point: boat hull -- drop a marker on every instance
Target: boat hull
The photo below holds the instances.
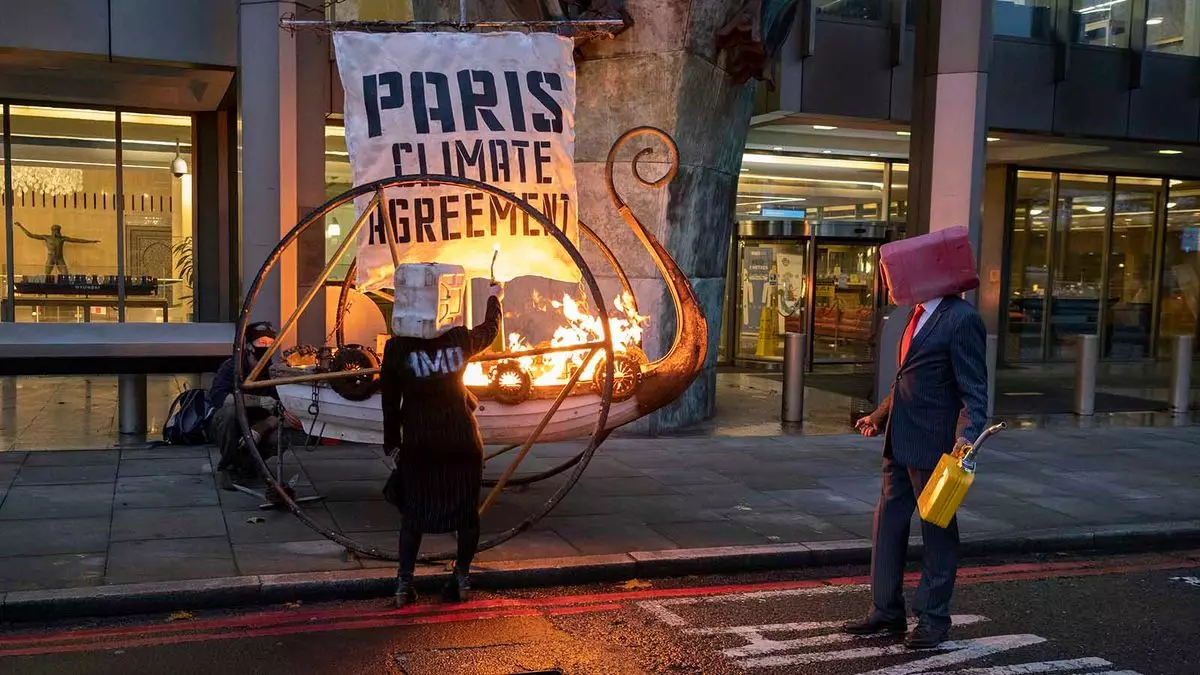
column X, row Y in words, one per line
column 362, row 421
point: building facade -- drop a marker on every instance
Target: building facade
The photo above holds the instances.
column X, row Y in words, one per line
column 153, row 154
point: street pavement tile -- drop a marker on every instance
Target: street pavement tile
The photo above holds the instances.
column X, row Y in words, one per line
column 649, row 509
column 35, row 573
column 530, row 545
column 12, row 457
column 608, row 467
column 1088, row 511
column 171, row 523
column 67, row 475
column 338, row 452
column 168, row 452
column 864, row 488
column 675, row 476
column 345, row 469
column 620, row 487
column 292, row 556
column 777, row 476
column 165, row 491
column 180, row 466
column 706, row 534
column 390, row 542
column 607, row 534
column 8, row 473
column 791, row 526
column 57, row 501
column 244, row 527
column 364, row 516
column 1026, row 516
column 821, row 502
column 1175, row 507
column 169, row 559
column 72, row 457
column 727, row 496
column 971, row 521
column 651, row 457
column 350, row 490
column 53, row 537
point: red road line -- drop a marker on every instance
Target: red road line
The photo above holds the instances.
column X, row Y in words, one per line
column 325, row 620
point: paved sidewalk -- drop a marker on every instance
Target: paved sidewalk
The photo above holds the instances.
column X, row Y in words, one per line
column 82, row 519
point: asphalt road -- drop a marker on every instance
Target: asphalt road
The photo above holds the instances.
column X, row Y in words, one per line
column 1079, row 616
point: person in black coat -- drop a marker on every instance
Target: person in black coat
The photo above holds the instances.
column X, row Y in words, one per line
column 236, row 465
column 429, row 421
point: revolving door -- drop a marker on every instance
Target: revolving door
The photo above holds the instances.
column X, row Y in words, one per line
column 818, row 278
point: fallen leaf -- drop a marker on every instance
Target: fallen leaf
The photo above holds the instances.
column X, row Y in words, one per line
column 773, row 538
column 255, row 520
column 293, row 605
column 635, row 584
column 180, row 616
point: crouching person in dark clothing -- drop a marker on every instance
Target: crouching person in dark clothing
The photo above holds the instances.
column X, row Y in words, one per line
column 237, row 465
column 429, row 418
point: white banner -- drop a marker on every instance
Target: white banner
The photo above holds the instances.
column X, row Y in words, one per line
column 496, row 108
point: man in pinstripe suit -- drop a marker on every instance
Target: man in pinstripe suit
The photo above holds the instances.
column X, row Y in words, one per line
column 939, row 400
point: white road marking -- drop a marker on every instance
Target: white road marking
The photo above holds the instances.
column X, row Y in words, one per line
column 950, row 653
column 1032, row 668
column 760, row 644
column 1190, row 581
column 659, row 607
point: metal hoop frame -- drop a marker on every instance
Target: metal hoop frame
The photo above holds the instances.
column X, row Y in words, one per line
column 599, row 434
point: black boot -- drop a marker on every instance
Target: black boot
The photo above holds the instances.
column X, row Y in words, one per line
column 405, row 593
column 457, row 588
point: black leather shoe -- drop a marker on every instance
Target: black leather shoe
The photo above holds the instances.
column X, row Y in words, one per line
column 874, row 626
column 405, row 593
column 457, row 588
column 926, row 637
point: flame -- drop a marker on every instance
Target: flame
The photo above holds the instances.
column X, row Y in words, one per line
column 580, row 326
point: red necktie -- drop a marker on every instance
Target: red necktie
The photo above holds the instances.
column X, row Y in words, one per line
column 906, row 341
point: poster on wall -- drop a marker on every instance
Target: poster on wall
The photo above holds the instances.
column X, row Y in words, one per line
column 496, row 108
column 756, row 277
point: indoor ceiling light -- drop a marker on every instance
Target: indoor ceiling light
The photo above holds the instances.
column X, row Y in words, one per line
column 1094, row 209
column 179, row 167
column 333, row 230
column 1170, row 205
column 874, row 154
column 1154, row 21
column 778, row 148
column 823, row 127
column 1170, row 152
column 992, row 139
column 1099, row 7
column 827, row 152
column 1036, row 212
column 904, row 133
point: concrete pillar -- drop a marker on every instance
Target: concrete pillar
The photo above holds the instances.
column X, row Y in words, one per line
column 990, row 252
column 312, row 57
column 949, row 131
column 268, row 104
column 665, row 72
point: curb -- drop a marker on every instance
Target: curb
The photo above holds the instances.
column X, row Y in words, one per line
column 157, row 597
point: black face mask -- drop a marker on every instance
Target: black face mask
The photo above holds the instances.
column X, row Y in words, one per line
column 260, row 352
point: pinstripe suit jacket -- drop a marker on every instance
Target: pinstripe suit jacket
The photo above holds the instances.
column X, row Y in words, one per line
column 940, row 391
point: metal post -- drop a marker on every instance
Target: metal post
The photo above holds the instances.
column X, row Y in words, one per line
column 131, row 404
column 993, row 359
column 1181, row 375
column 1085, row 375
column 794, row 357
column 462, row 11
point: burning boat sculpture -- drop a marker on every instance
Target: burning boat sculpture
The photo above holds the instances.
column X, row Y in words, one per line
column 592, row 377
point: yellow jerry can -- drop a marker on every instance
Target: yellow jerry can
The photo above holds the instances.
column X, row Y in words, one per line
column 951, row 479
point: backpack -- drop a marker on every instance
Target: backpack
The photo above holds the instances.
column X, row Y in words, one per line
column 186, row 419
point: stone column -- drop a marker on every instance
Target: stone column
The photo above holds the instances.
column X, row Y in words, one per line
column 665, row 72
column 949, row 130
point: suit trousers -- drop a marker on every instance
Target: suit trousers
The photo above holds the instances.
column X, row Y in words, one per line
column 893, row 516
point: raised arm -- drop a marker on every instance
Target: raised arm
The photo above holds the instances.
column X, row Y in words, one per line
column 39, row 237
column 968, row 348
column 76, row 240
column 485, row 333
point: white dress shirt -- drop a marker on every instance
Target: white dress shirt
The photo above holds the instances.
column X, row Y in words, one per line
column 929, row 307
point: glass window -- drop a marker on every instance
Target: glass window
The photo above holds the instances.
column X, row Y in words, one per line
column 814, row 188
column 898, row 196
column 844, row 312
column 1131, row 269
column 1033, row 19
column 1181, row 265
column 1104, row 23
column 338, row 179
column 862, row 10
column 1082, row 216
column 1171, row 26
column 772, row 291
column 64, row 212
column 156, row 164
column 1029, row 250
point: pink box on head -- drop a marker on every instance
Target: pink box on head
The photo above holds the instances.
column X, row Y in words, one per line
column 930, row 266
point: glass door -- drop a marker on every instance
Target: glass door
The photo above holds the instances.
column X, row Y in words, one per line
column 772, row 287
column 845, row 301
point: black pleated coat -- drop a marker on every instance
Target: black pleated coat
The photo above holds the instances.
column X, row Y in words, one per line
column 429, row 415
